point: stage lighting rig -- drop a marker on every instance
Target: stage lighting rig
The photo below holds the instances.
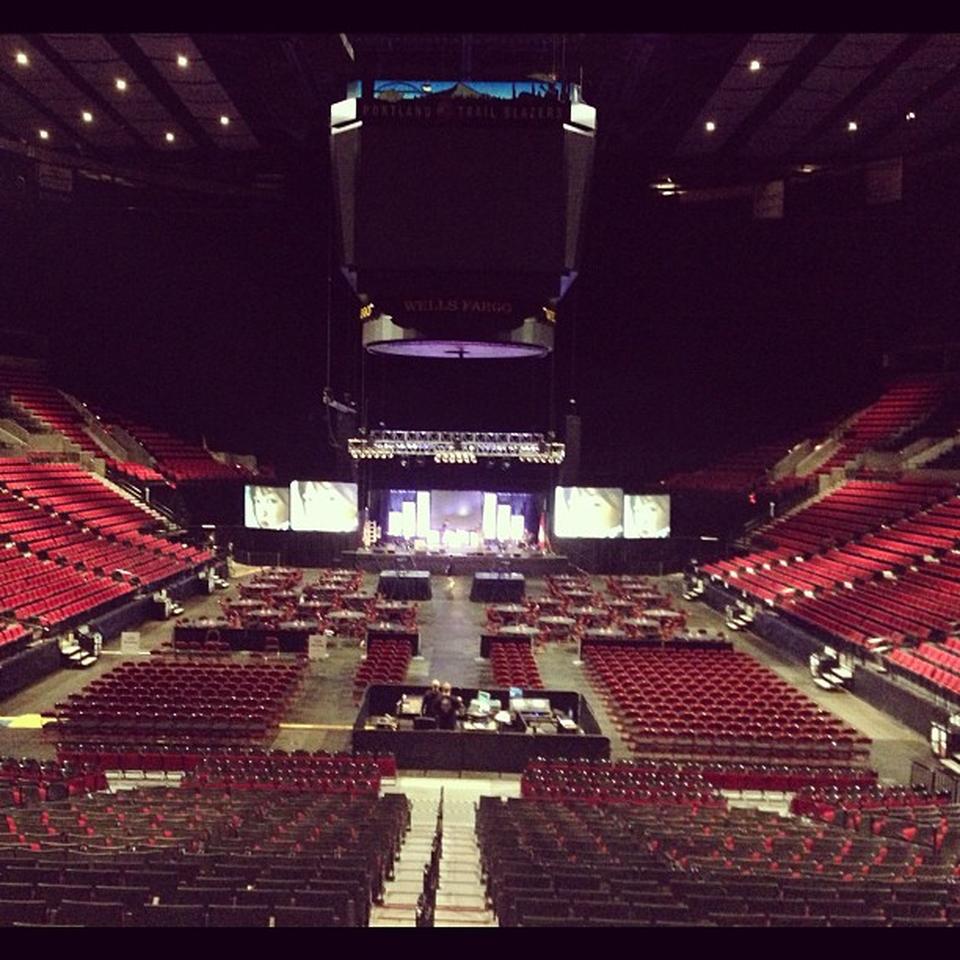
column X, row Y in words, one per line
column 456, row 446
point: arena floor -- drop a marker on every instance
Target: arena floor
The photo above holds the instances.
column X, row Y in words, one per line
column 450, row 628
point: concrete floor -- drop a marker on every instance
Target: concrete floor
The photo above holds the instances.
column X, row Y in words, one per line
column 450, row 628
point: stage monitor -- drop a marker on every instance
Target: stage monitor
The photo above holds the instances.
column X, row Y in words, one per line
column 646, row 516
column 266, row 508
column 588, row 512
column 323, row 506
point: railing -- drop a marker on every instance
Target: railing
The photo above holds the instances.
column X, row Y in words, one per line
column 427, row 901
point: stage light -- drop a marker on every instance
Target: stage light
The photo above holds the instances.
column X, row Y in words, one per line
column 169, row 137
column 755, row 65
column 852, row 126
column 87, row 116
column 182, row 61
column 23, row 59
column 120, row 84
column 224, row 120
column 44, row 134
column 710, row 126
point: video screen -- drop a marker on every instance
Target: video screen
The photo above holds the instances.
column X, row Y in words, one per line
column 588, row 512
column 646, row 516
column 266, row 508
column 323, row 506
column 456, row 510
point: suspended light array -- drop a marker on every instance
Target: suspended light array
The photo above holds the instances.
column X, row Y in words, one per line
column 456, row 447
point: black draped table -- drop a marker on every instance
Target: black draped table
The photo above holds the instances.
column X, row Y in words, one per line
column 291, row 635
column 496, row 587
column 405, row 585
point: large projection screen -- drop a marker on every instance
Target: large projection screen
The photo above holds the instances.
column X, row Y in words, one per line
column 456, row 510
column 588, row 512
column 266, row 508
column 646, row 516
column 323, row 506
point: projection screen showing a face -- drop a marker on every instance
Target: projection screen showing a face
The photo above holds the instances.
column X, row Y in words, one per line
column 267, row 508
column 588, row 512
column 646, row 516
column 323, row 506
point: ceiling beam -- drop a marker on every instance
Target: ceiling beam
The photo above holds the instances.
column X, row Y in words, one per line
column 925, row 99
column 228, row 58
column 892, row 62
column 142, row 66
column 689, row 98
column 55, row 121
column 71, row 74
column 803, row 64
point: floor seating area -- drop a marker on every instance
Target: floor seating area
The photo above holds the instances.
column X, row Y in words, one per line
column 385, row 661
column 514, row 665
column 697, row 703
column 571, row 863
column 182, row 699
column 183, row 857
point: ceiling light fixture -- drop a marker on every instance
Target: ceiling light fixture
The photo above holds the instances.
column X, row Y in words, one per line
column 120, row 84
column 852, row 126
column 169, row 137
column 755, row 66
column 182, row 61
column 911, row 115
column 87, row 116
column 710, row 126
column 44, row 134
column 224, row 120
column 23, row 59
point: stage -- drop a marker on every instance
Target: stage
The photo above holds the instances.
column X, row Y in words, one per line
column 529, row 564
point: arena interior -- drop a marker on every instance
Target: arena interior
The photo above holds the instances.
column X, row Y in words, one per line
column 474, row 480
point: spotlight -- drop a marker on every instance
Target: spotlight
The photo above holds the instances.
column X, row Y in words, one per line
column 23, row 59
column 755, row 66
column 224, row 120
column 911, row 115
column 710, row 126
column 169, row 137
column 182, row 61
column 852, row 126
column 120, row 84
column 44, row 134
column 87, row 116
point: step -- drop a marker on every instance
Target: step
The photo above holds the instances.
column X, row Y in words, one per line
column 473, row 899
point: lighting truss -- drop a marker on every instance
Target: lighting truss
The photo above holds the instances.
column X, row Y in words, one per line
column 455, row 447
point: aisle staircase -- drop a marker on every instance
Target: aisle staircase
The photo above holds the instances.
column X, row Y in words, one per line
column 461, row 894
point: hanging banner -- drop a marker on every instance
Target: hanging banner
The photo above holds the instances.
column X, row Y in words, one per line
column 884, row 181
column 768, row 201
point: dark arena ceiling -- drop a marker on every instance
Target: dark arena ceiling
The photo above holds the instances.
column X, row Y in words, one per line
column 224, row 111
